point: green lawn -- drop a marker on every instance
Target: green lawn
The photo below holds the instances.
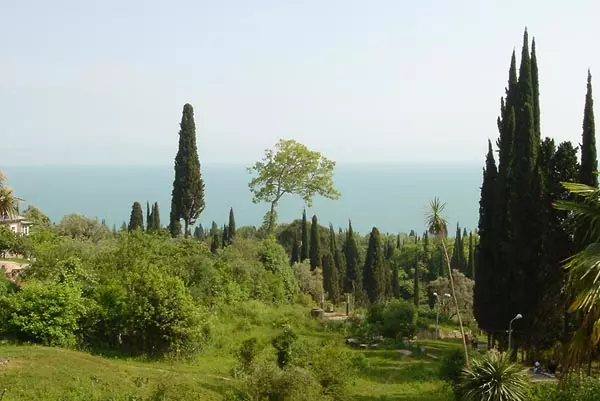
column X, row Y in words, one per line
column 43, row 373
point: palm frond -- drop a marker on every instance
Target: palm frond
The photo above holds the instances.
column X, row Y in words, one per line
column 435, row 221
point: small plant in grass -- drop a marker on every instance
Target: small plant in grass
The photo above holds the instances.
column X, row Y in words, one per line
column 284, row 344
column 494, row 378
column 246, row 357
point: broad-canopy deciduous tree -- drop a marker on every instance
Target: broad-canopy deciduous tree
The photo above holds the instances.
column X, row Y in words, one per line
column 291, row 168
column 438, row 226
column 187, row 200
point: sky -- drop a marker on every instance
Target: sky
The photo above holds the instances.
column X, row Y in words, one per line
column 386, row 81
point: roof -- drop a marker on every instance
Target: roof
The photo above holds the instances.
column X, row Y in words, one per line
column 15, row 219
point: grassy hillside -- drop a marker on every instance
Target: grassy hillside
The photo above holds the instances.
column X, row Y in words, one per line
column 45, row 373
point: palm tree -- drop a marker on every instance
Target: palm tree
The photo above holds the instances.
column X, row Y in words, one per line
column 583, row 273
column 9, row 204
column 438, row 226
column 494, row 378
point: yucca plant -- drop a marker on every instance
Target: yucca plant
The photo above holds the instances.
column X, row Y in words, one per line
column 494, row 378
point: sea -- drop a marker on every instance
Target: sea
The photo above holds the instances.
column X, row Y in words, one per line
column 392, row 197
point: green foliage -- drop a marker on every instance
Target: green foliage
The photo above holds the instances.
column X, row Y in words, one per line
column 231, row 226
column 589, row 159
column 374, row 269
column 187, row 201
column 291, row 168
column 136, row 220
column 579, row 389
column 83, row 228
column 451, row 370
column 494, row 378
column 396, row 319
column 463, row 290
column 275, row 260
column 335, row 370
column 42, row 312
column 285, row 343
column 304, row 253
column 309, row 281
column 315, row 244
column 246, row 357
column 9, row 204
column 35, row 215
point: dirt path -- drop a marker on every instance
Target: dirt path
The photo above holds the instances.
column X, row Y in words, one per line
column 12, row 268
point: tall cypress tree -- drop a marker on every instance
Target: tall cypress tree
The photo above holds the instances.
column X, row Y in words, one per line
column 304, row 240
column 471, row 260
column 330, row 278
column 201, row 233
column 123, row 227
column 225, row 240
column 148, row 218
column 136, row 220
column 214, row 238
column 338, row 259
column 156, row 217
column 315, row 244
column 589, row 160
column 295, row 257
column 536, row 90
column 353, row 282
column 373, row 271
column 487, row 273
column 188, row 187
column 231, row 226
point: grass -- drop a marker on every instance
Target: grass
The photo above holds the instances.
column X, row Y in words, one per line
column 44, row 373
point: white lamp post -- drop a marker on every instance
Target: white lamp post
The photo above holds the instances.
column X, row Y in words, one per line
column 519, row 316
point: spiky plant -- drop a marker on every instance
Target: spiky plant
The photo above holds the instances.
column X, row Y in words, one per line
column 494, row 378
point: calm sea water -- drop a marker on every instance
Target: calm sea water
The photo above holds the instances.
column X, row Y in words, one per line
column 392, row 197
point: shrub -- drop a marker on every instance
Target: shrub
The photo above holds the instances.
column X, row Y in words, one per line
column 275, row 260
column 494, row 378
column 451, row 370
column 284, row 344
column 397, row 318
column 42, row 312
column 334, row 369
column 574, row 388
column 246, row 356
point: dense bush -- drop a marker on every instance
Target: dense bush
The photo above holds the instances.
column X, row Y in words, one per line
column 42, row 312
column 451, row 370
column 394, row 319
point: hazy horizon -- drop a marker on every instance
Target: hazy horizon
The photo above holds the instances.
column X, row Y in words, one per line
column 105, row 83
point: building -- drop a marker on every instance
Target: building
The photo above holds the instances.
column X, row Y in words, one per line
column 17, row 224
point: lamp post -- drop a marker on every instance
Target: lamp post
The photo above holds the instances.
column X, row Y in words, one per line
column 437, row 314
column 519, row 316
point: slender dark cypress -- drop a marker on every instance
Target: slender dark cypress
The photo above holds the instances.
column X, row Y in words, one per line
column 304, row 240
column 315, row 244
column 231, row 226
column 136, row 220
column 373, row 272
column 589, row 159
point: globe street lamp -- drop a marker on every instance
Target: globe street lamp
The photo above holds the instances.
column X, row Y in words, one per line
column 519, row 316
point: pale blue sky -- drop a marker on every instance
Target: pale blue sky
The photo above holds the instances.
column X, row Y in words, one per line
column 378, row 80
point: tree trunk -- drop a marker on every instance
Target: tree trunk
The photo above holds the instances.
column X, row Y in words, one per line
column 187, row 227
column 462, row 330
column 271, row 227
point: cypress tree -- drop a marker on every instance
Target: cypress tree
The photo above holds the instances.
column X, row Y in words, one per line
column 398, row 243
column 487, row 274
column 231, row 226
column 197, row 233
column 304, row 240
column 353, row 282
column 188, row 187
column 214, row 238
column 156, row 217
column 416, row 288
column 136, row 220
column 123, row 227
column 330, row 278
column 338, row 259
column 389, row 249
column 535, row 91
column 471, row 261
column 225, row 240
column 148, row 218
column 201, row 233
column 114, row 229
column 373, row 271
column 315, row 244
column 589, row 160
column 295, row 258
